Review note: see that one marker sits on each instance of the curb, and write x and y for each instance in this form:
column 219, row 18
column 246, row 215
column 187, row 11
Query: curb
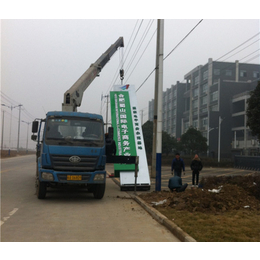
column 177, row 231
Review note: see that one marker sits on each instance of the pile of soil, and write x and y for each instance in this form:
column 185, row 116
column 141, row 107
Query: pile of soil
column 237, row 192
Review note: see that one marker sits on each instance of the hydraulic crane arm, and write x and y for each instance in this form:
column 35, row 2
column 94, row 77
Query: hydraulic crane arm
column 73, row 96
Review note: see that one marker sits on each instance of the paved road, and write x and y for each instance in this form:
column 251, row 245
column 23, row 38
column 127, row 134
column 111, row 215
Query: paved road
column 70, row 215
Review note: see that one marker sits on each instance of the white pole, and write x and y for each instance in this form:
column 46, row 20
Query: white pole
column 3, row 121
column 159, row 117
column 19, row 121
column 155, row 109
column 219, row 132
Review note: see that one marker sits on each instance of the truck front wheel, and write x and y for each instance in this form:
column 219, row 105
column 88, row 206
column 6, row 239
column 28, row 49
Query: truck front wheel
column 41, row 189
column 99, row 191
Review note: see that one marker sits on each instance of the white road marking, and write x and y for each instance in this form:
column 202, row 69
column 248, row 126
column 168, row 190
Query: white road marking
column 10, row 214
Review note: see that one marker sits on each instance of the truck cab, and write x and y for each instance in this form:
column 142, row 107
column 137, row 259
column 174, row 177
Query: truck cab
column 70, row 150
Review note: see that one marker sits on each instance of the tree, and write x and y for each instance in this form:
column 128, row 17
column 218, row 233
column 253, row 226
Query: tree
column 168, row 142
column 193, row 141
column 253, row 111
column 148, row 136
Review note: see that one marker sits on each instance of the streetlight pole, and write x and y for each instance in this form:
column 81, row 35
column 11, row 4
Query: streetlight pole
column 18, row 139
column 10, row 131
column 219, row 133
column 2, row 140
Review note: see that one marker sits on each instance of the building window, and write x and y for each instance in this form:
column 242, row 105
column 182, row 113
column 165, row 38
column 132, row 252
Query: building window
column 204, row 110
column 204, row 88
column 174, row 112
column 186, row 126
column 216, row 71
column 255, row 74
column 204, row 123
column 204, row 100
column 196, row 80
column 195, row 123
column 205, row 75
column 228, row 72
column 174, row 103
column 243, row 74
column 195, row 92
column 214, row 108
column 174, row 93
column 214, row 96
column 195, row 104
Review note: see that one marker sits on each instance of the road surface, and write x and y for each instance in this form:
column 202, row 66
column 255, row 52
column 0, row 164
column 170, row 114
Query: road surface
column 70, row 215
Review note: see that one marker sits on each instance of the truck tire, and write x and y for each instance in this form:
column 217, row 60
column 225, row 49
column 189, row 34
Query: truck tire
column 41, row 189
column 99, row 191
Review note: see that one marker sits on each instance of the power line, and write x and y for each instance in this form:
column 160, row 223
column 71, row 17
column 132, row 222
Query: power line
column 171, row 51
column 241, row 50
column 121, row 65
column 140, row 43
column 258, row 55
column 142, row 54
column 250, row 54
column 183, row 39
column 238, row 46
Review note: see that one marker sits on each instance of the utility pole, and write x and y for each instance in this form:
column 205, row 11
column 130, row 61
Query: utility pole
column 155, row 108
column 19, row 121
column 159, row 116
column 10, row 131
column 2, row 140
column 106, row 96
column 27, row 134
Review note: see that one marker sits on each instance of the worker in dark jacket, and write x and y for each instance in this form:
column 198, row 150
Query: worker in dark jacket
column 110, row 146
column 196, row 166
column 175, row 183
column 178, row 165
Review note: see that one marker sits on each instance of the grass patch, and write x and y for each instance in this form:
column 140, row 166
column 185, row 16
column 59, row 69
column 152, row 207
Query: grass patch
column 231, row 226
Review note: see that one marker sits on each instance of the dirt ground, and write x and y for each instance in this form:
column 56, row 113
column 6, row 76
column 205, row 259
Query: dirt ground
column 235, row 192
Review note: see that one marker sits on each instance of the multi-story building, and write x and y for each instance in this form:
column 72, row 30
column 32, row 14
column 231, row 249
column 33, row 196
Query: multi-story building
column 210, row 102
column 172, row 102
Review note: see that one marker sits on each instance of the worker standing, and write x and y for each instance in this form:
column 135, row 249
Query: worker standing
column 178, row 165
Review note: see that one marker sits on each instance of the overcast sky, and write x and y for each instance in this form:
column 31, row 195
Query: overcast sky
column 41, row 59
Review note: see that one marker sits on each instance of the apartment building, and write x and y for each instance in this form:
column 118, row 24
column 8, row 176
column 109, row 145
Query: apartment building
column 209, row 99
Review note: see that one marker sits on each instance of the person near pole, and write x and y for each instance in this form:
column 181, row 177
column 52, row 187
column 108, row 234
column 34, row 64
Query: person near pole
column 178, row 165
column 196, row 166
column 175, row 184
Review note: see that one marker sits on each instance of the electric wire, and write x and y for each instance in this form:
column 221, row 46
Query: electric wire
column 171, row 52
column 142, row 54
column 183, row 39
column 116, row 73
column 140, row 44
column 238, row 46
column 241, row 50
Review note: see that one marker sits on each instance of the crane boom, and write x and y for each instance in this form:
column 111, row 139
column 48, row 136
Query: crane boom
column 73, row 96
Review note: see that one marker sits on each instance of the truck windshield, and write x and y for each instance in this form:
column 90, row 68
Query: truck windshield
column 74, row 131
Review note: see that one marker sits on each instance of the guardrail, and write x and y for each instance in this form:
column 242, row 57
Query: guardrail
column 247, row 162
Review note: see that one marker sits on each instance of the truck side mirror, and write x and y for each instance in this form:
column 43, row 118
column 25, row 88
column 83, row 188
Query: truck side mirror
column 35, row 125
column 34, row 137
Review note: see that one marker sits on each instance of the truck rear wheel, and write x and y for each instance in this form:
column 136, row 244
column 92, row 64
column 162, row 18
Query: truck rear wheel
column 99, row 191
column 41, row 189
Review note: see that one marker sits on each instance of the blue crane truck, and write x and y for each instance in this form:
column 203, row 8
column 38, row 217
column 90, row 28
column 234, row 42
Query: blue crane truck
column 71, row 146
